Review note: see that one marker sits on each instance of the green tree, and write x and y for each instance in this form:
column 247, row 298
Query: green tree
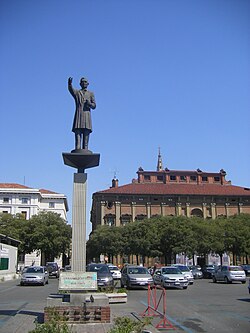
column 104, row 240
column 50, row 234
column 237, row 232
column 217, row 236
column 138, row 239
column 17, row 227
column 201, row 233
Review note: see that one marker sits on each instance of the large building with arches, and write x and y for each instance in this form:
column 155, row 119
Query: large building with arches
column 167, row 192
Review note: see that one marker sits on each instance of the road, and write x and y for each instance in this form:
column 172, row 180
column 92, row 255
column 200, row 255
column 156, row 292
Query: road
column 16, row 299
column 203, row 307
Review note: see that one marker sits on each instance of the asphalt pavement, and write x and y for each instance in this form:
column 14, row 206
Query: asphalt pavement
column 20, row 316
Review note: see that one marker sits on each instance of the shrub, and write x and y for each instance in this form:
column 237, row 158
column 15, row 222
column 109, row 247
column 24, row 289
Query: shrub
column 127, row 325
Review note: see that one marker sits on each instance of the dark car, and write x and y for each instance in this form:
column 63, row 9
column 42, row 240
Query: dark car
column 53, row 269
column 104, row 276
column 246, row 269
column 208, row 271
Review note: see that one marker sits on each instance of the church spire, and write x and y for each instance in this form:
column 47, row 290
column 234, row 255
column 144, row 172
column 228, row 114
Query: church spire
column 159, row 162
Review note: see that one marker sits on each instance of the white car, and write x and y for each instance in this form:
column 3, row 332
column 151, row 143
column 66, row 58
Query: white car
column 186, row 271
column 170, row 276
column 116, row 273
column 35, row 275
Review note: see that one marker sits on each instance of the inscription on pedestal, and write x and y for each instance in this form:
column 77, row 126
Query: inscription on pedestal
column 71, row 281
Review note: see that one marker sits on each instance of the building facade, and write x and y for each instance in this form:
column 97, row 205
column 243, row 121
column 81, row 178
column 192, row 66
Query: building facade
column 20, row 199
column 167, row 192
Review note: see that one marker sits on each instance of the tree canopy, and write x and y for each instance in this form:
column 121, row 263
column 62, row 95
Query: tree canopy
column 171, row 235
column 46, row 232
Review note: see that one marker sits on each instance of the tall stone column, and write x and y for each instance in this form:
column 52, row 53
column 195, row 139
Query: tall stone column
column 78, row 259
column 80, row 161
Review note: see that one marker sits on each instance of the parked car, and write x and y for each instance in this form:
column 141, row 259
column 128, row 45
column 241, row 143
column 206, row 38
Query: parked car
column 208, row 271
column 116, row 273
column 170, row 277
column 191, row 267
column 197, row 273
column 135, row 276
column 53, row 269
column 35, row 275
column 246, row 269
column 229, row 274
column 104, row 276
column 186, row 271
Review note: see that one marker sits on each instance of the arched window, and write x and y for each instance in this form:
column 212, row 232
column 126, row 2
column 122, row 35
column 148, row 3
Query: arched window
column 109, row 219
column 141, row 217
column 197, row 212
column 125, row 219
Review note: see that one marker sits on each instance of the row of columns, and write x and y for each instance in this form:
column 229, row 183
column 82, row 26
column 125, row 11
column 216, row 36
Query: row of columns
column 163, row 206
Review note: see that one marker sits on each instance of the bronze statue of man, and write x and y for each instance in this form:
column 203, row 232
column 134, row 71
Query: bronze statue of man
column 82, row 124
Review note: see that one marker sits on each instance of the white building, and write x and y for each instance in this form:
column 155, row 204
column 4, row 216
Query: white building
column 20, row 199
column 8, row 257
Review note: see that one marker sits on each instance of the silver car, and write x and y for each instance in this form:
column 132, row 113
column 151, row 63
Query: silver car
column 35, row 275
column 135, row 276
column 229, row 274
column 186, row 271
column 170, row 277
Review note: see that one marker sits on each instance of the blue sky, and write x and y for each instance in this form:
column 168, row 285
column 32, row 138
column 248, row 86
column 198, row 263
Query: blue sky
column 168, row 74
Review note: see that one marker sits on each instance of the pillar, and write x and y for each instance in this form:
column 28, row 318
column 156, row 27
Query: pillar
column 178, row 208
column 117, row 213
column 133, row 204
column 240, row 207
column 204, row 209
column 148, row 210
column 213, row 210
column 188, row 209
column 78, row 261
column 163, row 210
column 102, row 212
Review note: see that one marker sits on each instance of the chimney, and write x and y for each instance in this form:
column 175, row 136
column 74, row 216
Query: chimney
column 114, row 182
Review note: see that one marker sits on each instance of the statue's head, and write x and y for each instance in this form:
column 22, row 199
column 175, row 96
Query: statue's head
column 84, row 82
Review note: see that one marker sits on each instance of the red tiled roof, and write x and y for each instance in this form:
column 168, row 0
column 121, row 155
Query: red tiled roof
column 18, row 186
column 178, row 189
column 12, row 185
column 42, row 190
